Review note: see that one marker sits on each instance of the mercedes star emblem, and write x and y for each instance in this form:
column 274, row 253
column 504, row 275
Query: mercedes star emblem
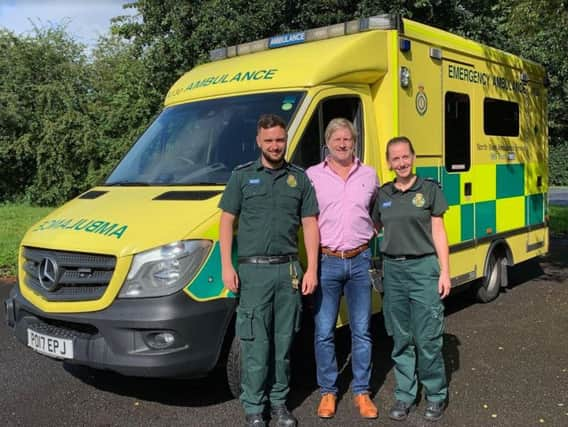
column 48, row 274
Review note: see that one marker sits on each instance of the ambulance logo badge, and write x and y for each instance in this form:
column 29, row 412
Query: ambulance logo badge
column 291, row 181
column 418, row 200
column 421, row 101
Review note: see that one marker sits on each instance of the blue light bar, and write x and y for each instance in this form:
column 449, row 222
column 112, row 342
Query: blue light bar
column 287, row 39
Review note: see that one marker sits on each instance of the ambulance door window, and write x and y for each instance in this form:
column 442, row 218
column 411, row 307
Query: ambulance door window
column 457, row 138
column 312, row 149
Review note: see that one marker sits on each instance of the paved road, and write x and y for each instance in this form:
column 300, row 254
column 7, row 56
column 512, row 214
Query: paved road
column 507, row 362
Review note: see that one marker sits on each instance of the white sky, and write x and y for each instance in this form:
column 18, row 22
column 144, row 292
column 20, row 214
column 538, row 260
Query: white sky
column 86, row 19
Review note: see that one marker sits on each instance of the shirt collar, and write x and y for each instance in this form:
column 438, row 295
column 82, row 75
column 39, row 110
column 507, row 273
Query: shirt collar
column 355, row 166
column 416, row 186
column 259, row 166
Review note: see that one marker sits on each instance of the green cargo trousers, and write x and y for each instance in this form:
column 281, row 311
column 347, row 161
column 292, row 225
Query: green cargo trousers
column 414, row 317
column 267, row 318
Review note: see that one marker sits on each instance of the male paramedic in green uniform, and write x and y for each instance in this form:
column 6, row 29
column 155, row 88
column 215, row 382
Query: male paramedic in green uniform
column 270, row 197
column 416, row 279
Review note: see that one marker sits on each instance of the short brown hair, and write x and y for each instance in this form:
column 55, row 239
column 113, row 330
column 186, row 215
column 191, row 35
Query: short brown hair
column 267, row 121
column 397, row 140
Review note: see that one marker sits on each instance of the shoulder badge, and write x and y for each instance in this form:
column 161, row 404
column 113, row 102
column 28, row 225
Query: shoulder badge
column 244, row 165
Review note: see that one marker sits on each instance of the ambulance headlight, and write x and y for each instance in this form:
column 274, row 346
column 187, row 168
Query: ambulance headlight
column 164, row 270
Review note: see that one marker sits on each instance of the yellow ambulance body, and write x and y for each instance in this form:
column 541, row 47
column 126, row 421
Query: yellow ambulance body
column 126, row 277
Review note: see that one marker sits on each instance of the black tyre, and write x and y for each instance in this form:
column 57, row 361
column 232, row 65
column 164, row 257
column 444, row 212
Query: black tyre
column 233, row 368
column 487, row 288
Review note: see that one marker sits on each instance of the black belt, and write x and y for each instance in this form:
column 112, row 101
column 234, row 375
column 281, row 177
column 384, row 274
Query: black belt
column 273, row 259
column 405, row 257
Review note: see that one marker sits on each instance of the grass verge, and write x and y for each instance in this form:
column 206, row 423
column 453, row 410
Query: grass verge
column 559, row 220
column 15, row 219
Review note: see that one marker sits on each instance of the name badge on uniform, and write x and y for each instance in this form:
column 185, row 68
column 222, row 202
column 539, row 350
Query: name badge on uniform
column 254, row 181
column 387, row 204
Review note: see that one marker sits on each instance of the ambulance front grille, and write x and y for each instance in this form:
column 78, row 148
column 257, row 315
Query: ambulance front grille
column 67, row 276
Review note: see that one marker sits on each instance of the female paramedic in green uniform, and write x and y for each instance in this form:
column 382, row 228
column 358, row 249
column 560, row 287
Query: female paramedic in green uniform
column 416, row 278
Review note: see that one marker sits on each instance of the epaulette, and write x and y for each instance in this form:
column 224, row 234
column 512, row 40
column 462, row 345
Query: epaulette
column 433, row 181
column 293, row 166
column 244, row 165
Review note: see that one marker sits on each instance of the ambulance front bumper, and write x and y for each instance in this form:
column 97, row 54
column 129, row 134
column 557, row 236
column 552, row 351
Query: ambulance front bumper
column 172, row 336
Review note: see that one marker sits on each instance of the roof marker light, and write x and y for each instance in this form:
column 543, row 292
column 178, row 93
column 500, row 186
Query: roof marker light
column 436, row 53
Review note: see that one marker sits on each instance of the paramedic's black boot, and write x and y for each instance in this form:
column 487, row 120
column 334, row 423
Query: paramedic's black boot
column 434, row 411
column 255, row 420
column 283, row 417
column 400, row 410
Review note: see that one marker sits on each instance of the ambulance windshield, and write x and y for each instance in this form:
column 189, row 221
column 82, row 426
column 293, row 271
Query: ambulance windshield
column 200, row 143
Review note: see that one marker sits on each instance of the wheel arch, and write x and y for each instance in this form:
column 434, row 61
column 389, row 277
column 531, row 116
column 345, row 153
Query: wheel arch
column 501, row 248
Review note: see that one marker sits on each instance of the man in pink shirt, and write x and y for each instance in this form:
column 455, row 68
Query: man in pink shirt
column 345, row 190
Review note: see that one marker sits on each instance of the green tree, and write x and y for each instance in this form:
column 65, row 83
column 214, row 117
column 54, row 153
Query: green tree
column 537, row 31
column 122, row 102
column 47, row 141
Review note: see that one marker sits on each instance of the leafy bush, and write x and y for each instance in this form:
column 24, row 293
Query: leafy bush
column 558, row 164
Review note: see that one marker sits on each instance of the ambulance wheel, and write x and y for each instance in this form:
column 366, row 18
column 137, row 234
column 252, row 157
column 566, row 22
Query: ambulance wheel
column 487, row 288
column 233, row 368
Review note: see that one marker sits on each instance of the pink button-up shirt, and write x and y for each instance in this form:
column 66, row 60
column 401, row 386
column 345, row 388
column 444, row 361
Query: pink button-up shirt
column 344, row 219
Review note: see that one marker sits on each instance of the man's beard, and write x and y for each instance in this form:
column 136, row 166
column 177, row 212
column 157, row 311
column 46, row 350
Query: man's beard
column 273, row 163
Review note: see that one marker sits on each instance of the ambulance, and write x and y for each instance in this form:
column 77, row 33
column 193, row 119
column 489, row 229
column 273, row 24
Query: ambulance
column 127, row 276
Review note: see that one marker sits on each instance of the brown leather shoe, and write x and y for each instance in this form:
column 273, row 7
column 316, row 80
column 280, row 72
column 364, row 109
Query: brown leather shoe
column 326, row 408
column 367, row 408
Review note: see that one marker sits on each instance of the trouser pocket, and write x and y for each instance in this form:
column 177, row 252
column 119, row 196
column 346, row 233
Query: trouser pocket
column 436, row 321
column 244, row 323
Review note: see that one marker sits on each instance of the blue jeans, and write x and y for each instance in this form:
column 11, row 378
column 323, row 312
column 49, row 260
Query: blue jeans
column 350, row 277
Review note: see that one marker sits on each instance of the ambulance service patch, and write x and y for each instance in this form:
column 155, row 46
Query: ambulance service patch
column 418, row 200
column 421, row 101
column 291, row 181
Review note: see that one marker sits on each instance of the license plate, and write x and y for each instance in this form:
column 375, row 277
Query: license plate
column 59, row 348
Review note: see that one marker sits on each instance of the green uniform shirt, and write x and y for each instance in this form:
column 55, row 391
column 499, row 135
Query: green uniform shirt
column 270, row 205
column 406, row 217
